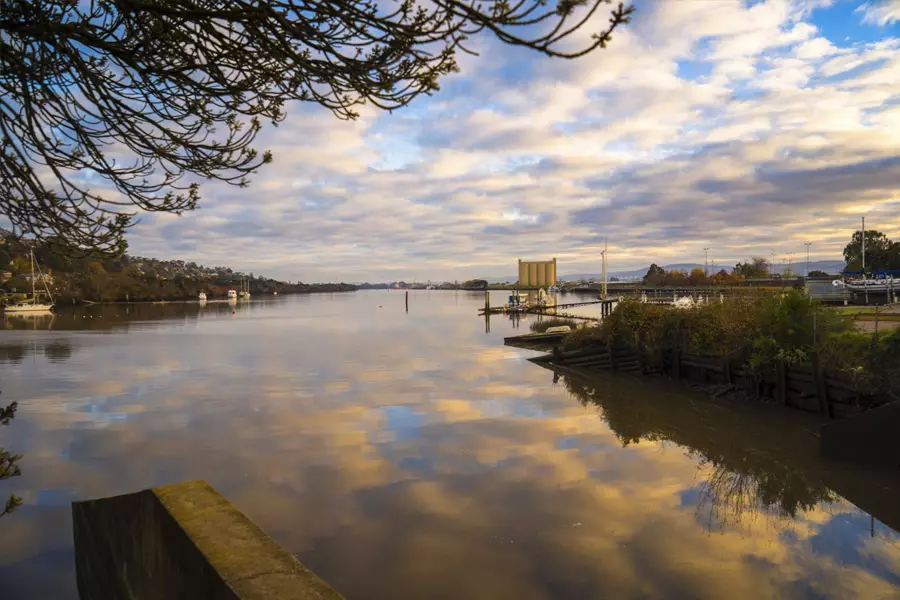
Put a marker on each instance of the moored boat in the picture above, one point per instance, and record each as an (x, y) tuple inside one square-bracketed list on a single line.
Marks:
[(33, 306), (885, 284)]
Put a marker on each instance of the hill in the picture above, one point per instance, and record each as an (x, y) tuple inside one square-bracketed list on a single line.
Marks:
[(133, 278)]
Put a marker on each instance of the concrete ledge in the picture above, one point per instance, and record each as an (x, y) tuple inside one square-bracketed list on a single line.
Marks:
[(182, 541), (870, 437)]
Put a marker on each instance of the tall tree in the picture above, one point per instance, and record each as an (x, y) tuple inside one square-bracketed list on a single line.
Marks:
[(881, 252), (655, 275), (146, 97), (756, 268)]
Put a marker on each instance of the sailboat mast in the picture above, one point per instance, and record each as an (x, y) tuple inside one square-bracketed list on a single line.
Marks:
[(605, 249), (33, 299)]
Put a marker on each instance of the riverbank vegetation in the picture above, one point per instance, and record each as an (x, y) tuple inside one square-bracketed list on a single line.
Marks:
[(755, 268), (756, 332)]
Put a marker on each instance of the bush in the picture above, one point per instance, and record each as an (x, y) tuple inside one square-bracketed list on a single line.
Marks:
[(757, 331)]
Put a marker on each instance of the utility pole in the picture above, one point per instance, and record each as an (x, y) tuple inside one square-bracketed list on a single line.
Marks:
[(605, 249), (807, 244), (706, 263), (772, 264), (864, 258)]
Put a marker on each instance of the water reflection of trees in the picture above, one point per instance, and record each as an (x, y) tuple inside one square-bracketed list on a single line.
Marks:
[(13, 353), (744, 472), (56, 351), (8, 461), (120, 316)]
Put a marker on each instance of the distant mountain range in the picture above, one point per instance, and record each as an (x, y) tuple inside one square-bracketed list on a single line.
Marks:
[(829, 266)]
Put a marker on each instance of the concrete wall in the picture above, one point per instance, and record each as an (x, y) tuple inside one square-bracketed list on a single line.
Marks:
[(870, 437), (179, 542)]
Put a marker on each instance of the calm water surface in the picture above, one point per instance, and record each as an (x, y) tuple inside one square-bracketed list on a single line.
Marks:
[(414, 456)]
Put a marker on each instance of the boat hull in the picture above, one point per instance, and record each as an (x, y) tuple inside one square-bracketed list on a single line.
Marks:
[(29, 308)]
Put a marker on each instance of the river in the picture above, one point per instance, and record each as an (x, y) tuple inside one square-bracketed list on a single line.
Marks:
[(411, 455)]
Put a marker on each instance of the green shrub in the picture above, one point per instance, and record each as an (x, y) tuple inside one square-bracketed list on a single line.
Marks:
[(759, 332)]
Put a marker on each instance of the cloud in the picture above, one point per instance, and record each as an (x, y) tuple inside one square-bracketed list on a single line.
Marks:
[(666, 142), (881, 13)]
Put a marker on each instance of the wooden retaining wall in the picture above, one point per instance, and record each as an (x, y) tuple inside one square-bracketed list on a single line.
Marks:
[(801, 386)]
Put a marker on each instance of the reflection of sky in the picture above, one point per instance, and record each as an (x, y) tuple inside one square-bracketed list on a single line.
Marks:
[(392, 451)]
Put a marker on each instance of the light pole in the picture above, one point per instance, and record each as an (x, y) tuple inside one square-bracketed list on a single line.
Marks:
[(706, 263), (807, 244), (864, 258), (772, 264)]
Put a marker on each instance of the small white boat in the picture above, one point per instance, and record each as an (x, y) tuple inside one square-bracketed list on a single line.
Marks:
[(29, 307), (559, 329), (543, 298), (33, 306), (232, 295), (553, 289), (202, 297)]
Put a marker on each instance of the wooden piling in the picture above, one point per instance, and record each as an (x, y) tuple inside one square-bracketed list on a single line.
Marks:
[(781, 383), (821, 387)]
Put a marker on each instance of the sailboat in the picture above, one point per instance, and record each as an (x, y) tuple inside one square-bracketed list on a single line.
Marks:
[(245, 293), (33, 306)]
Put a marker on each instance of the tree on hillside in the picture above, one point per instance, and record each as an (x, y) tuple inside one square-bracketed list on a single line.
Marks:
[(110, 106), (756, 268), (881, 252), (817, 273), (676, 277), (655, 275), (723, 277)]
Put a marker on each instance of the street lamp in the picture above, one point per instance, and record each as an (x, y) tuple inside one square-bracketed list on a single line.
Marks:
[(706, 263), (807, 244)]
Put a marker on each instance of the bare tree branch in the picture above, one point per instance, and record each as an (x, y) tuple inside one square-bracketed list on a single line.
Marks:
[(147, 97)]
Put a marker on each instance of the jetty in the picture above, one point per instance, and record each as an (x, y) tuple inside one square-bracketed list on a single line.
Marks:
[(548, 309)]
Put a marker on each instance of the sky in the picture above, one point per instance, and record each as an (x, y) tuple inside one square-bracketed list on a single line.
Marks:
[(742, 127)]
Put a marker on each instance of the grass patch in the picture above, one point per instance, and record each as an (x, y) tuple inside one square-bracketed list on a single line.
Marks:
[(855, 310), (545, 324)]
